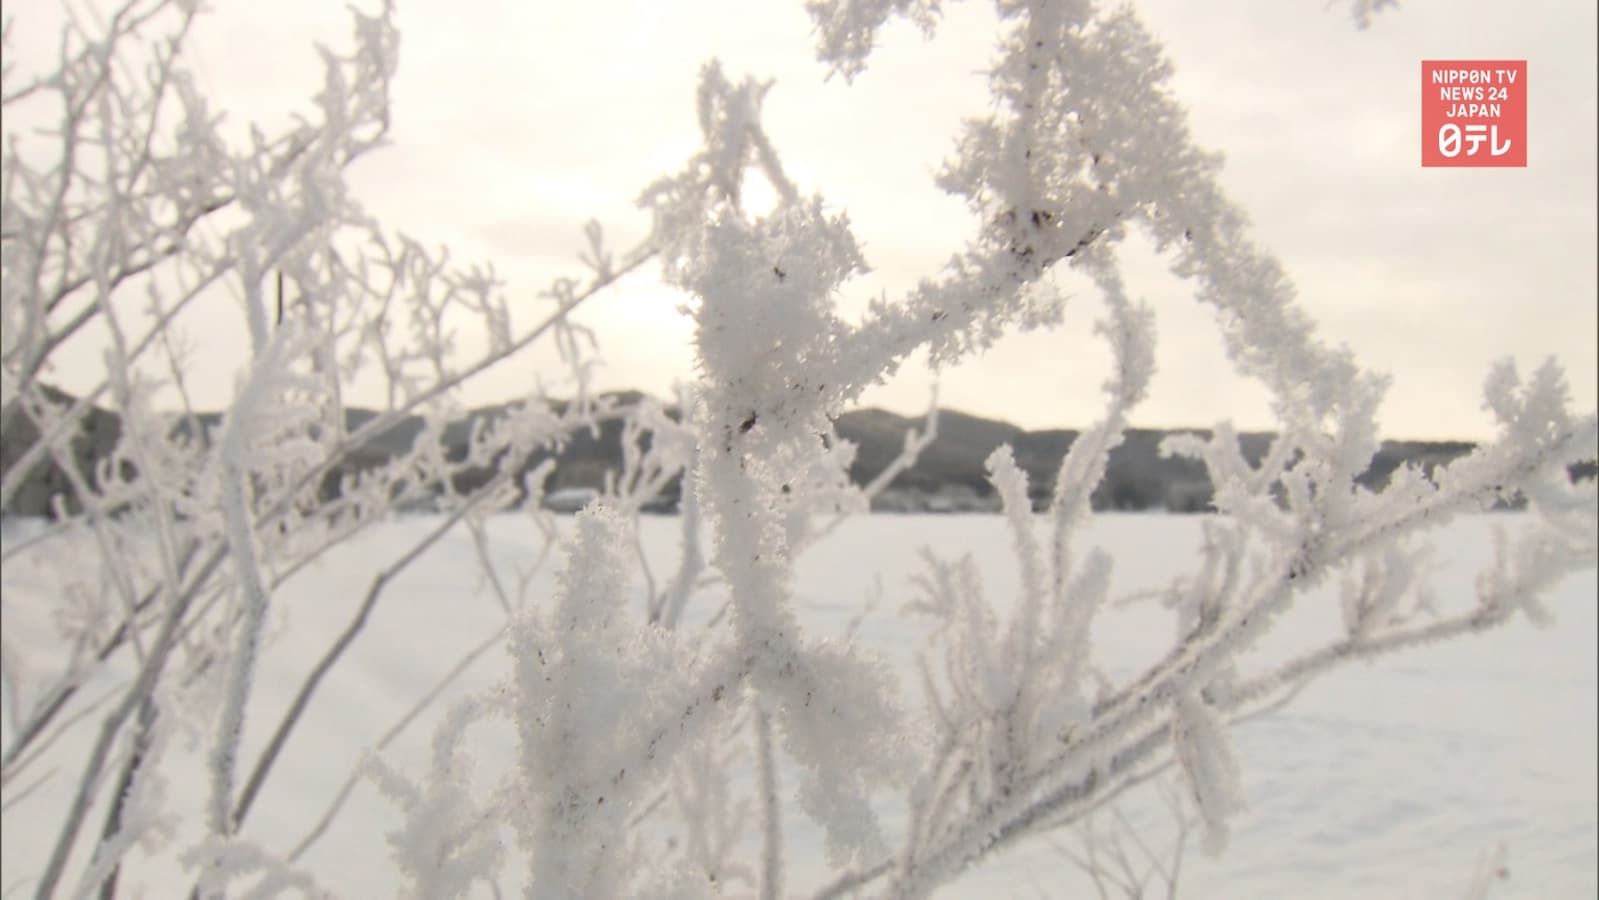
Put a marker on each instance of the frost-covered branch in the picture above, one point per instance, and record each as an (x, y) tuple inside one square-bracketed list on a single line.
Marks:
[(192, 530)]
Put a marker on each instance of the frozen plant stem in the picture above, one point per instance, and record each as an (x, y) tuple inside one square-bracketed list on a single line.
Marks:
[(771, 811), (124, 786), (241, 547)]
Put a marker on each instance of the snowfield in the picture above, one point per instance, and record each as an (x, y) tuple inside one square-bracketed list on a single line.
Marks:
[(1383, 780)]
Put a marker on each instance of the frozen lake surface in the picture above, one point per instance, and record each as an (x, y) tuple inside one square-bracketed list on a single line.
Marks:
[(1382, 780)]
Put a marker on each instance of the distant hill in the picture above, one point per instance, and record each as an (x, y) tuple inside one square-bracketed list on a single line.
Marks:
[(1137, 477), (948, 476)]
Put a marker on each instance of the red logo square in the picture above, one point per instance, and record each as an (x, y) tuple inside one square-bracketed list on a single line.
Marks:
[(1474, 113)]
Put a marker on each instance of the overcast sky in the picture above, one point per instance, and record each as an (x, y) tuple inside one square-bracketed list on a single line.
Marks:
[(515, 122)]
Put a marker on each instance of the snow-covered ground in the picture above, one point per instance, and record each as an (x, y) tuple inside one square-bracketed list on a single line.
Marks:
[(1384, 780)]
